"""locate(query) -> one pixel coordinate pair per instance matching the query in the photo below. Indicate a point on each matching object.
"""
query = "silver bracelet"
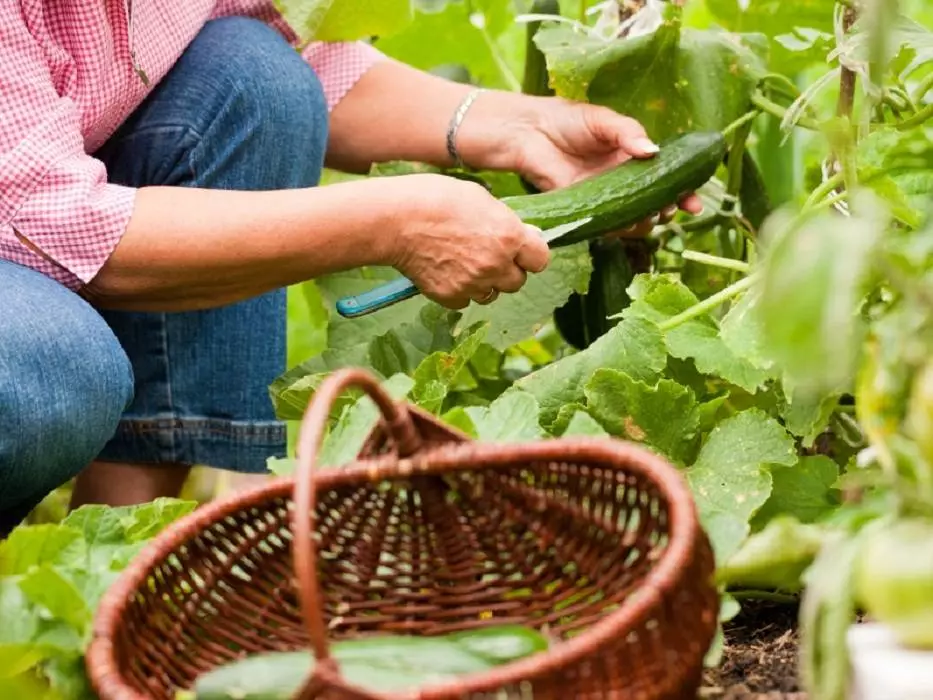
(455, 123)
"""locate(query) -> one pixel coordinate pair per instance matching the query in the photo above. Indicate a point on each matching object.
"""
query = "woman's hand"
(554, 143)
(459, 244)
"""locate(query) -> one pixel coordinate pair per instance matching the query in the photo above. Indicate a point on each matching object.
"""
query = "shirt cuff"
(71, 223)
(339, 65)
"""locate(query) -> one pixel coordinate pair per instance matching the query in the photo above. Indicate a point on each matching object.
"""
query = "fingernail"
(670, 211)
(647, 145)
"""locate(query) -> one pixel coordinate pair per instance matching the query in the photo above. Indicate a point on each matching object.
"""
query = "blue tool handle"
(378, 298)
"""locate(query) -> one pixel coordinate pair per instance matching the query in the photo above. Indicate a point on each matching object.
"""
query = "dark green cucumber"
(386, 663)
(585, 317)
(756, 204)
(628, 193)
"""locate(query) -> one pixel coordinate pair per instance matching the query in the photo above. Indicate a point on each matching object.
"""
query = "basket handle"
(406, 439)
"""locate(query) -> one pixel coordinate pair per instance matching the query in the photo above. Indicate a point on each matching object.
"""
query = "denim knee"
(267, 99)
(64, 383)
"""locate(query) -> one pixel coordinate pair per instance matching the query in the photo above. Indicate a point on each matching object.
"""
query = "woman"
(158, 163)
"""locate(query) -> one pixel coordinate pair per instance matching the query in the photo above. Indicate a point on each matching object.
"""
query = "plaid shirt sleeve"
(58, 214)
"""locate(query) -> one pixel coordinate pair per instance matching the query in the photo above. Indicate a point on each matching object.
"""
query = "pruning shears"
(400, 289)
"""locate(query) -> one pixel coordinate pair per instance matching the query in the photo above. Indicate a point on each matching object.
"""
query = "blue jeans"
(241, 111)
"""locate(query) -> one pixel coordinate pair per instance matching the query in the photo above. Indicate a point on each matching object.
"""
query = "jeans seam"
(168, 383)
(198, 426)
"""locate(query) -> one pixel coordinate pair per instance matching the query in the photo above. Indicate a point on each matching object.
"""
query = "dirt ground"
(760, 656)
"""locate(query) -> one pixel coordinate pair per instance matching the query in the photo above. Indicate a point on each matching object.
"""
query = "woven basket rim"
(619, 455)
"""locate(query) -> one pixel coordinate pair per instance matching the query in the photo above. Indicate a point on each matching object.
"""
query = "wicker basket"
(595, 540)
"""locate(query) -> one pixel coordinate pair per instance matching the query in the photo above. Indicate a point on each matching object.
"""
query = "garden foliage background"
(775, 349)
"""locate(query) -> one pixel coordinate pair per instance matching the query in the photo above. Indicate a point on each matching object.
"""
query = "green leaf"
(826, 613)
(805, 490)
(898, 166)
(811, 286)
(582, 424)
(773, 17)
(730, 479)
(775, 558)
(465, 33)
(807, 415)
(48, 588)
(801, 48)
(345, 20)
(27, 547)
(515, 317)
(659, 298)
(357, 421)
(742, 332)
(436, 374)
(635, 347)
(672, 81)
(663, 416)
(307, 323)
(512, 417)
(400, 337)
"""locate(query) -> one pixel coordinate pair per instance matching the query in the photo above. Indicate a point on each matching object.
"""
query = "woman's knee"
(64, 383)
(276, 96)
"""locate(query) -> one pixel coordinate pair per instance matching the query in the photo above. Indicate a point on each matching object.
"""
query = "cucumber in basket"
(381, 663)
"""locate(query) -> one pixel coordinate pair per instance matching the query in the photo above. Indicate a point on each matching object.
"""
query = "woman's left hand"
(553, 143)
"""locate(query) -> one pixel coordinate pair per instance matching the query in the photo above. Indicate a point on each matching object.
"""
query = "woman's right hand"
(459, 244)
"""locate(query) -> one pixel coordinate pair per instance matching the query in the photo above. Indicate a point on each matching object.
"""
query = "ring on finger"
(489, 297)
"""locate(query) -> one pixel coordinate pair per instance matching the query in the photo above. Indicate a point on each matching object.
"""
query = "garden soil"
(759, 658)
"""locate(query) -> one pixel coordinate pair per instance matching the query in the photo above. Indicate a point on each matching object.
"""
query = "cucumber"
(756, 204)
(585, 317)
(626, 194)
(384, 663)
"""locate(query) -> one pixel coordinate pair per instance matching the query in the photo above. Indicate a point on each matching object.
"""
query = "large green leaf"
(730, 479)
(805, 490)
(672, 81)
(512, 417)
(51, 581)
(398, 338)
(635, 347)
(663, 416)
(813, 280)
(659, 298)
(459, 32)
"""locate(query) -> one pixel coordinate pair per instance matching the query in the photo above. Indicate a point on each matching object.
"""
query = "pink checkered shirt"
(67, 81)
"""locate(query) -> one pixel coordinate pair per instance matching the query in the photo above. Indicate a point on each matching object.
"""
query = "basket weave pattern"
(594, 541)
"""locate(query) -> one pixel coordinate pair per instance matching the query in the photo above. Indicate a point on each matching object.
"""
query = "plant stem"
(716, 261)
(583, 11)
(823, 190)
(773, 108)
(708, 304)
(772, 596)
(747, 117)
(923, 88)
(835, 199)
(917, 119)
(846, 76)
